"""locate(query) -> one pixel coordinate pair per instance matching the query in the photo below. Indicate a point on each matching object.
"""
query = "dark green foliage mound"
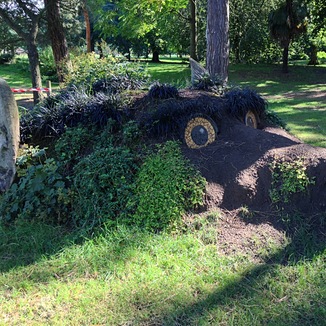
(67, 109)
(102, 186)
(166, 187)
(239, 101)
(162, 91)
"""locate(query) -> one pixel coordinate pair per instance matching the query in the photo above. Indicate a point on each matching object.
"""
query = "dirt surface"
(237, 168)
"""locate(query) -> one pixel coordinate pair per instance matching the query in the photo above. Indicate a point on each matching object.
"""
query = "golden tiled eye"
(200, 131)
(250, 120)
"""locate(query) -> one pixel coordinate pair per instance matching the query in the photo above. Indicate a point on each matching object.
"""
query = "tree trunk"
(193, 30)
(155, 57)
(285, 59)
(88, 27)
(58, 38)
(217, 34)
(34, 63)
(313, 55)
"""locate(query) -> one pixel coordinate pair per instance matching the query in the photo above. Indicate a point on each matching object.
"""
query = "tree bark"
(88, 27)
(313, 55)
(285, 59)
(155, 57)
(30, 38)
(34, 63)
(217, 35)
(58, 38)
(193, 30)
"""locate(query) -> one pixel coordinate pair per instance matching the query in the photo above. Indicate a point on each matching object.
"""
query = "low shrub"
(210, 84)
(108, 73)
(47, 64)
(40, 194)
(102, 186)
(166, 187)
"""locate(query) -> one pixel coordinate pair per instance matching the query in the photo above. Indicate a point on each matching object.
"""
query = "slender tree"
(217, 33)
(286, 22)
(23, 17)
(193, 29)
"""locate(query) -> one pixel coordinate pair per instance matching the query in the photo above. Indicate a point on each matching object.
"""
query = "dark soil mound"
(237, 168)
(237, 165)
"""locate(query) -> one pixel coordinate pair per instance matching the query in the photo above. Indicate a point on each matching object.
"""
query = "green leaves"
(289, 177)
(166, 187)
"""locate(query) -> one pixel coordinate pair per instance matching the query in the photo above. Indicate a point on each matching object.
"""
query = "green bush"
(288, 177)
(47, 64)
(88, 69)
(102, 186)
(166, 187)
(40, 193)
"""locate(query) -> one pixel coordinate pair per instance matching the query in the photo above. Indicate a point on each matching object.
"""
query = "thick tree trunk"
(217, 34)
(285, 59)
(34, 64)
(193, 30)
(155, 57)
(58, 38)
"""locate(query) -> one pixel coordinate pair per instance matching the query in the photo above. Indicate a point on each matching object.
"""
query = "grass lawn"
(130, 277)
(121, 276)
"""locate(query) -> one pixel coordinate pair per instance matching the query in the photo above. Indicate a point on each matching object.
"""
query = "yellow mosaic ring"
(200, 131)
(251, 120)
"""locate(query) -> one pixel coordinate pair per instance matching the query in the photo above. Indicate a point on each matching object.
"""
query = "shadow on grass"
(27, 242)
(251, 294)
(255, 297)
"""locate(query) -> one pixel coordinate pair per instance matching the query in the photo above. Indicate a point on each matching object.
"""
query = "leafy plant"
(47, 64)
(166, 187)
(162, 91)
(273, 119)
(107, 74)
(288, 177)
(40, 194)
(103, 184)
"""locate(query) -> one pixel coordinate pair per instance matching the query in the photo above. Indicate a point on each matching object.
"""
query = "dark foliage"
(171, 116)
(209, 84)
(162, 91)
(68, 109)
(239, 101)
